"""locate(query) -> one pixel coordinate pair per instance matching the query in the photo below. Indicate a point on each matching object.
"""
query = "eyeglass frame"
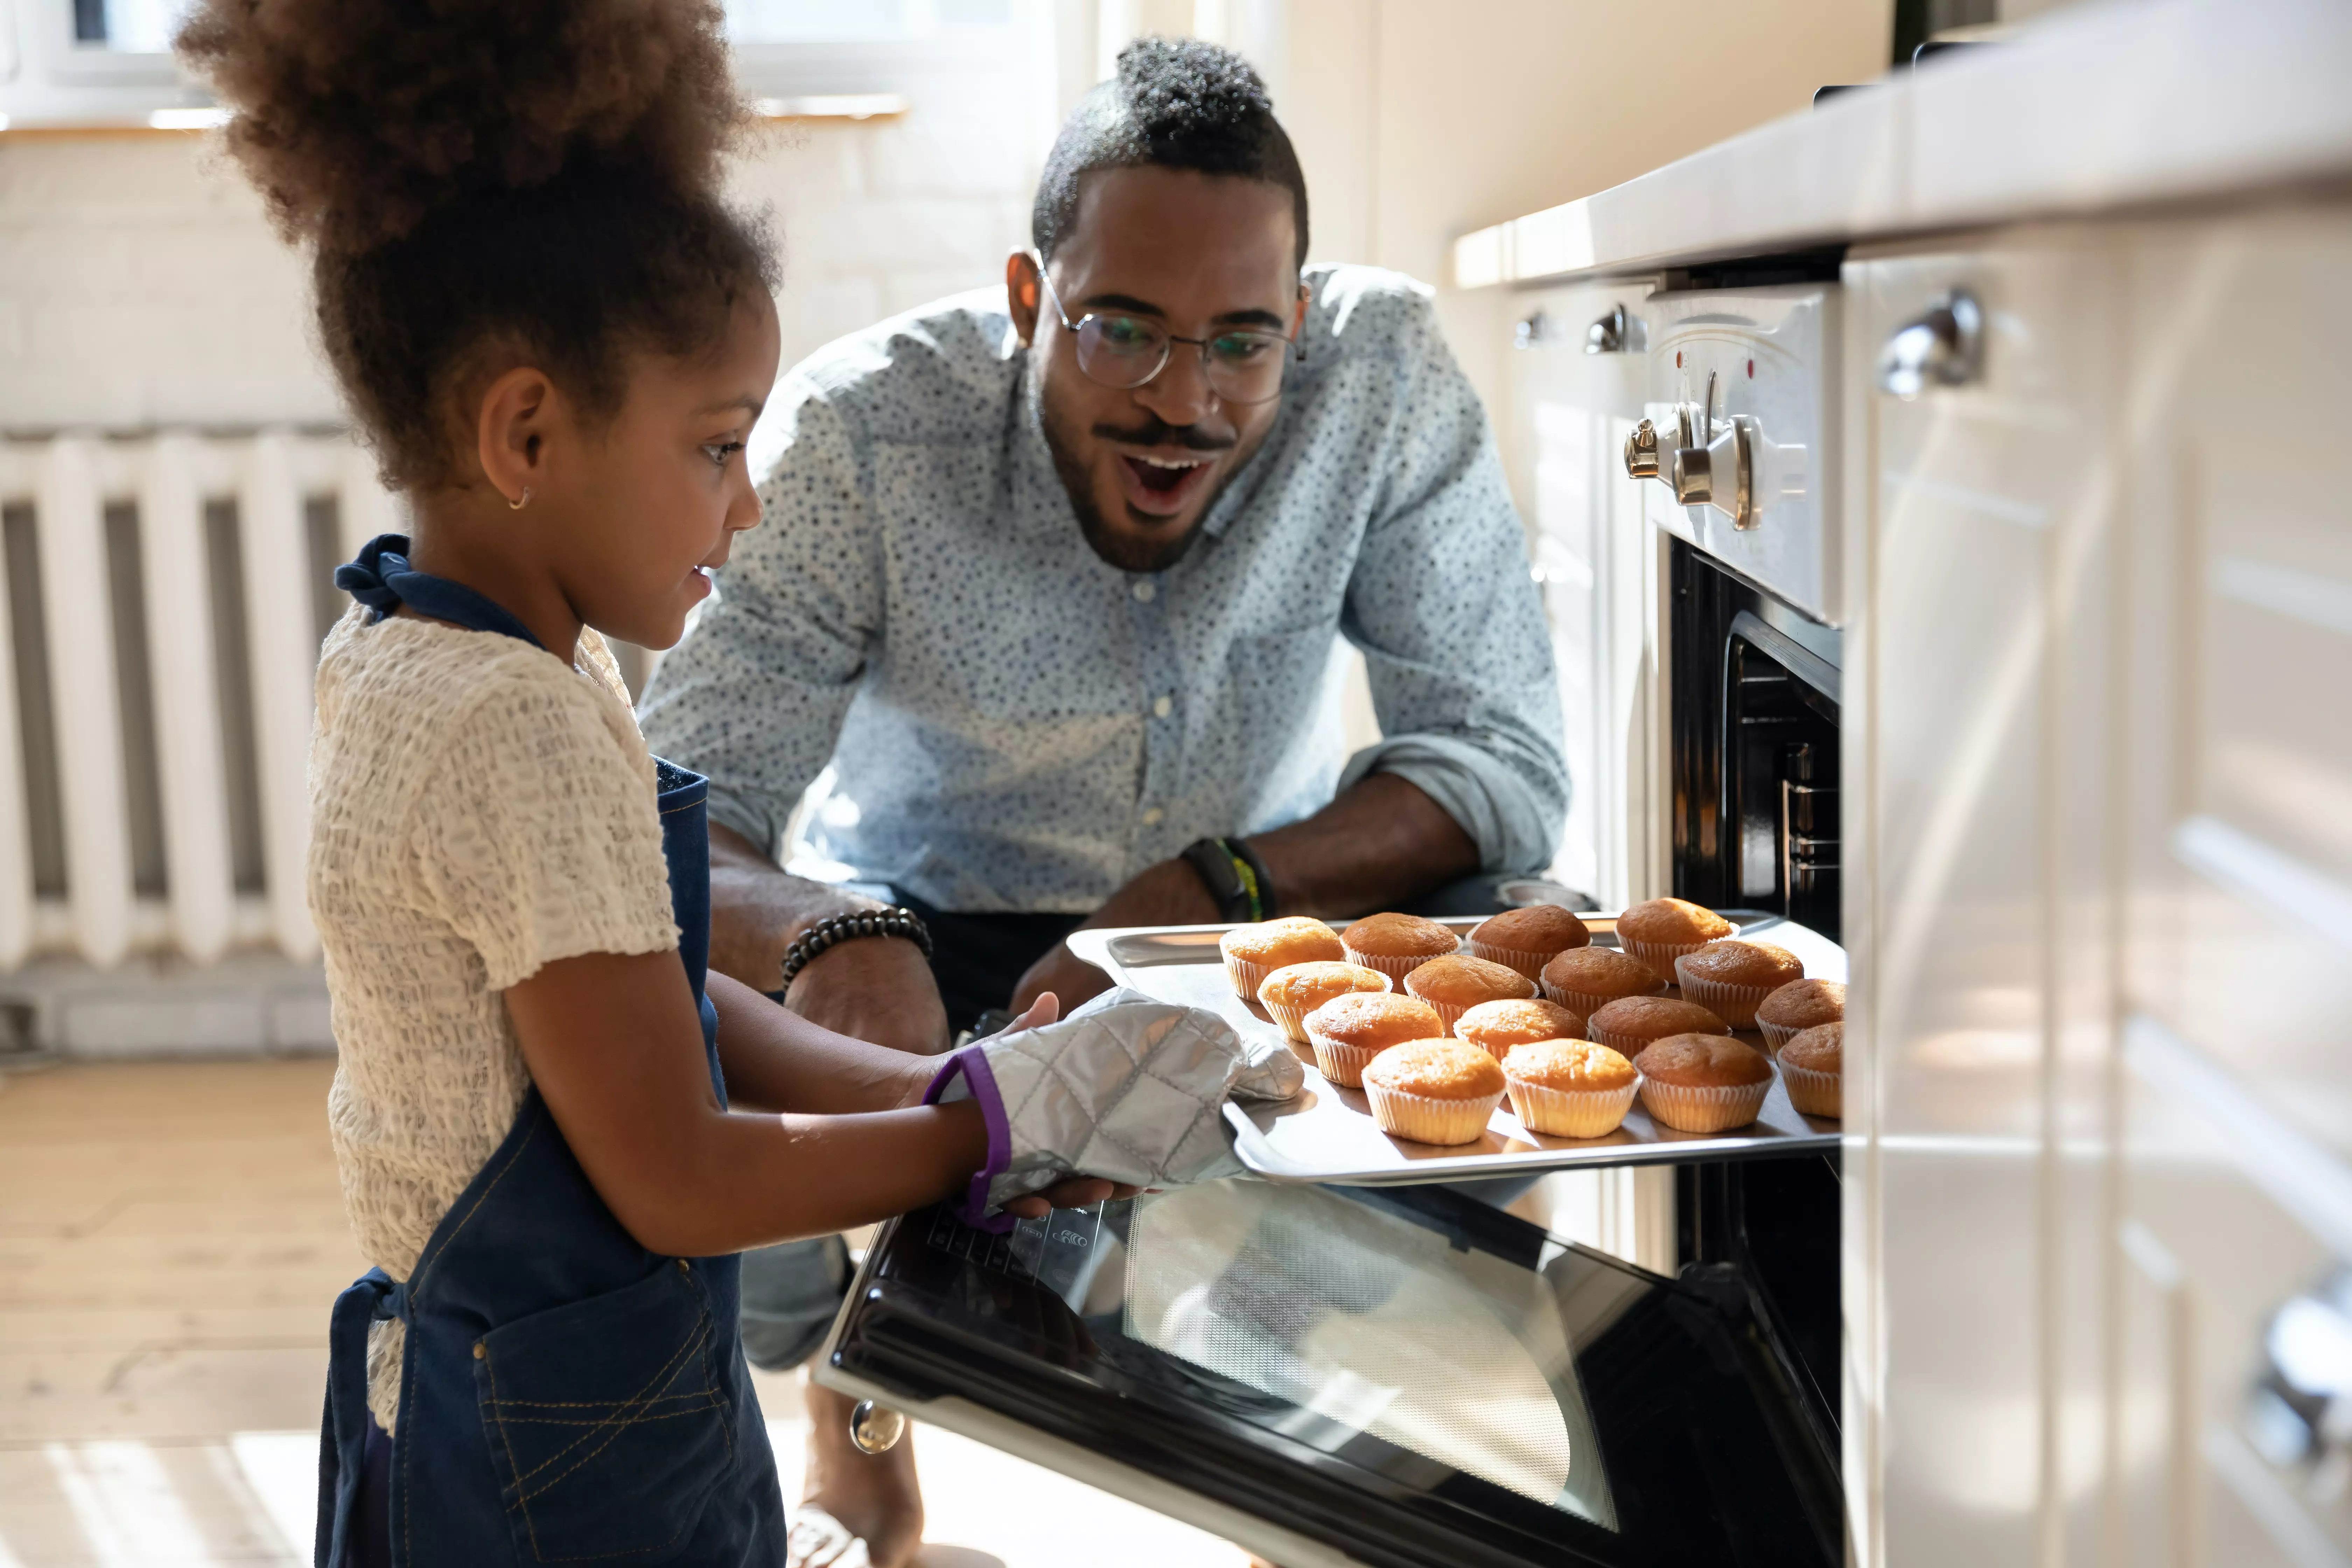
(1168, 352)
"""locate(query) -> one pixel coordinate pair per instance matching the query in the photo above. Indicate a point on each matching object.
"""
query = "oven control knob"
(1642, 452)
(1691, 474)
(1729, 473)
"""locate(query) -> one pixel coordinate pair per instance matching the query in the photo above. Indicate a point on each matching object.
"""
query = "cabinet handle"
(1942, 347)
(1615, 333)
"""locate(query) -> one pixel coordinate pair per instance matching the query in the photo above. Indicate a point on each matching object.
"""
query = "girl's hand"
(1078, 1191)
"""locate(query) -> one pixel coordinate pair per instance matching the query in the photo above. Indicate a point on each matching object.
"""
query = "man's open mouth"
(1162, 486)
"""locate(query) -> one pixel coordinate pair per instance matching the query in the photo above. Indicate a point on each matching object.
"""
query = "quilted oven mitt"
(1126, 1088)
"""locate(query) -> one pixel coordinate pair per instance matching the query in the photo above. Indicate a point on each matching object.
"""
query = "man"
(1053, 580)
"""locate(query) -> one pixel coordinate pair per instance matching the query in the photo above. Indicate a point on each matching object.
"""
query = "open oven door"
(1376, 1376)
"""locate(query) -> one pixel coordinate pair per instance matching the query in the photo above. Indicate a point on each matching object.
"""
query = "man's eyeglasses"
(1241, 365)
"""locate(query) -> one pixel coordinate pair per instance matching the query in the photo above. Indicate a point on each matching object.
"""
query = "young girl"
(553, 1128)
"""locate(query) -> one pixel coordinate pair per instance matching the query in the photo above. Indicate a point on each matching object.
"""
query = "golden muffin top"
(1499, 1026)
(1573, 1065)
(1293, 939)
(1374, 1019)
(1437, 1069)
(1802, 1004)
(1308, 987)
(1735, 962)
(1401, 936)
(1460, 981)
(1702, 1061)
(1656, 1017)
(1673, 922)
(1820, 1048)
(1539, 928)
(1601, 971)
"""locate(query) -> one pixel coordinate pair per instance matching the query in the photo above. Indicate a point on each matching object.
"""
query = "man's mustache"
(1159, 433)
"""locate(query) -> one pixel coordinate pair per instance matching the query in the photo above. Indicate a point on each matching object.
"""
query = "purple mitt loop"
(967, 1071)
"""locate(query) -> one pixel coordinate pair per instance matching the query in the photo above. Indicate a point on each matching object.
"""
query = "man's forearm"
(1381, 844)
(757, 908)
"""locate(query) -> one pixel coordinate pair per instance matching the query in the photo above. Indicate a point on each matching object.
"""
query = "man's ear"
(1022, 293)
(1299, 316)
(511, 433)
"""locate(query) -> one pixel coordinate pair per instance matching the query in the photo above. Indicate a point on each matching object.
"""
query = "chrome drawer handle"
(1943, 347)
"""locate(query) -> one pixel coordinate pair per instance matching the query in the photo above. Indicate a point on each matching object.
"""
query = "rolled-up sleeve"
(754, 695)
(1452, 627)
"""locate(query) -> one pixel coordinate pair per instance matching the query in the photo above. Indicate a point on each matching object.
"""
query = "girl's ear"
(1021, 292)
(511, 435)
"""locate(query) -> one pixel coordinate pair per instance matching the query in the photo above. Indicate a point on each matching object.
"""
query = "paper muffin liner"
(1660, 956)
(1569, 1112)
(1584, 1002)
(1717, 1109)
(1292, 1019)
(1735, 1005)
(1344, 1065)
(1779, 1035)
(1626, 1046)
(1395, 966)
(1247, 976)
(1426, 1118)
(1528, 963)
(1814, 1092)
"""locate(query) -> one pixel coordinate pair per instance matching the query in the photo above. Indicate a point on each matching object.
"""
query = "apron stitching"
(513, 1464)
(667, 1370)
(552, 1481)
(415, 1285)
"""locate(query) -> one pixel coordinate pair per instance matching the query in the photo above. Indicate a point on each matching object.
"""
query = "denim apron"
(565, 1394)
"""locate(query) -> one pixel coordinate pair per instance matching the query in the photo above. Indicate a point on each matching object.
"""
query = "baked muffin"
(1659, 931)
(1631, 1023)
(1296, 990)
(1729, 978)
(1703, 1083)
(1800, 1005)
(1348, 1032)
(1588, 978)
(1812, 1064)
(1495, 1026)
(1569, 1089)
(1529, 938)
(1396, 945)
(1434, 1091)
(1456, 983)
(1252, 952)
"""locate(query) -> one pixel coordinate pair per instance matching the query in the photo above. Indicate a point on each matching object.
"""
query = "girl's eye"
(719, 452)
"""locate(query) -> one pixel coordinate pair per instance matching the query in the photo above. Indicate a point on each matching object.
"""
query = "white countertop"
(2114, 105)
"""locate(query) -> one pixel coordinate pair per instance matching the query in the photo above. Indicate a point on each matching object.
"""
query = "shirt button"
(1151, 817)
(1145, 592)
(1163, 707)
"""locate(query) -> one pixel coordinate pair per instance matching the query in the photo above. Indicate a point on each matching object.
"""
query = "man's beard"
(1123, 549)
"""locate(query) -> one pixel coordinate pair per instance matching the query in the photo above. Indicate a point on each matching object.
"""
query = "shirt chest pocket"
(606, 1421)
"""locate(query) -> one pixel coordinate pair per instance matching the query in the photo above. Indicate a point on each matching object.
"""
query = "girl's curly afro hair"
(488, 183)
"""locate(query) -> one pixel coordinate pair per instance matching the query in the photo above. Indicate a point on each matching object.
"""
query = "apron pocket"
(606, 1421)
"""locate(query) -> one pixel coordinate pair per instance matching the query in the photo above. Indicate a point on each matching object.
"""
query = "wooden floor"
(170, 1237)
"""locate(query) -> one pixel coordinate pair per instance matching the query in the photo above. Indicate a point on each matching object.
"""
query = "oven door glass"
(1402, 1373)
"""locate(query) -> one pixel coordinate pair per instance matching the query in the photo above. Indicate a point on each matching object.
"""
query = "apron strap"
(382, 580)
(342, 1436)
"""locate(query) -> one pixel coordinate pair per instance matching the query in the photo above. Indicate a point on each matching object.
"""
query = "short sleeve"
(539, 838)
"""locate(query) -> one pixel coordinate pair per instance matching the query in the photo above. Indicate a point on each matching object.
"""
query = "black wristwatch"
(1234, 876)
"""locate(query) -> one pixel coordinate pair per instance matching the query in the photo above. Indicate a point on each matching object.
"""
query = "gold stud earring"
(520, 501)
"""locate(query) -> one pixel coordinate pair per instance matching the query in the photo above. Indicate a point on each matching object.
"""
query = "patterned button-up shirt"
(1015, 724)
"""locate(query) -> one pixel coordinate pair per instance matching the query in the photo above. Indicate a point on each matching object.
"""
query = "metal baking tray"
(1326, 1133)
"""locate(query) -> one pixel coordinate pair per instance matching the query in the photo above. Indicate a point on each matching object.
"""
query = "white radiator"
(164, 596)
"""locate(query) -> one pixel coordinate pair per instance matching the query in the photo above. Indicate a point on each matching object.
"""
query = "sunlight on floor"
(171, 1236)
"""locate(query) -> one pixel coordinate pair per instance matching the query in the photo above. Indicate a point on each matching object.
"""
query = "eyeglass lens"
(1242, 366)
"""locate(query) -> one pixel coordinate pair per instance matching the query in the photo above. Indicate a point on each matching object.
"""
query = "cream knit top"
(478, 809)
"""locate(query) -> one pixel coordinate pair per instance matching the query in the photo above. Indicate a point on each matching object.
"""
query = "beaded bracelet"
(834, 930)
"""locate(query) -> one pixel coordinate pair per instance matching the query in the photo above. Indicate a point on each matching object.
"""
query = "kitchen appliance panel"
(1768, 357)
(1326, 1133)
(1348, 1375)
(1576, 391)
(1988, 498)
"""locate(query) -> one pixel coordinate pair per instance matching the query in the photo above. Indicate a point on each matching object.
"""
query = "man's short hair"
(1176, 103)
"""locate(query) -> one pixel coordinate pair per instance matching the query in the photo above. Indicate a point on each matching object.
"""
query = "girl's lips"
(1161, 492)
(700, 578)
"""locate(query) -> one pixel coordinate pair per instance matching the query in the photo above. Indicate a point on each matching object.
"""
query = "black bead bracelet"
(834, 930)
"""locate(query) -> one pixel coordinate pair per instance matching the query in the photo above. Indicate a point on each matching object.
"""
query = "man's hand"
(874, 988)
(1168, 894)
